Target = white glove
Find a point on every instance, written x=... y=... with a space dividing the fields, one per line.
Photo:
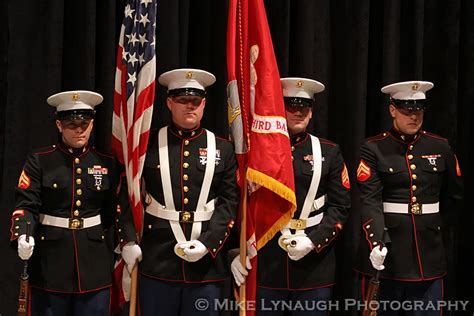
x=239 y=271
x=298 y=246
x=131 y=252
x=25 y=248
x=194 y=250
x=377 y=257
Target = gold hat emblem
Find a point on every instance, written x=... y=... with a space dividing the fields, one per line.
x=415 y=87
x=189 y=75
x=299 y=83
x=75 y=96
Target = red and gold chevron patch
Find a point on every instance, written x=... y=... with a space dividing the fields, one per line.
x=458 y=169
x=24 y=182
x=363 y=171
x=17 y=213
x=345 y=178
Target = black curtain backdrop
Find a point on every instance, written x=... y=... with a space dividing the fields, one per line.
x=353 y=47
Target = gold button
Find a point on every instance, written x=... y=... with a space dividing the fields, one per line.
x=214 y=250
x=435 y=169
x=16 y=227
x=411 y=147
x=185 y=177
x=186 y=142
x=185 y=189
x=149 y=226
x=42 y=237
x=185 y=165
x=374 y=243
x=121 y=240
x=98 y=188
x=157 y=166
x=16 y=234
x=367 y=226
x=384 y=134
x=54 y=146
x=76 y=213
x=413 y=187
x=185 y=201
x=79 y=192
x=390 y=169
x=326 y=240
x=292 y=158
x=180 y=133
x=120 y=230
x=78 y=170
x=77 y=160
x=70 y=150
x=334 y=233
x=225 y=234
x=413 y=167
x=319 y=245
x=78 y=203
x=102 y=236
x=78 y=181
x=17 y=219
x=413 y=199
x=193 y=133
x=414 y=176
x=292 y=148
x=55 y=185
x=220 y=242
x=186 y=153
x=410 y=157
x=371 y=235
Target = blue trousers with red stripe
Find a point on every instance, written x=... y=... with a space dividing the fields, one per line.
x=419 y=298
x=158 y=297
x=286 y=302
x=45 y=303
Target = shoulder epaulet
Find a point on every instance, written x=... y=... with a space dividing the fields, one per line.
x=433 y=136
x=222 y=138
x=45 y=150
x=377 y=137
x=108 y=155
x=327 y=142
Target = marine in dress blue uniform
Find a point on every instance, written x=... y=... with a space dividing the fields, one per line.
x=67 y=192
x=298 y=265
x=191 y=198
x=410 y=183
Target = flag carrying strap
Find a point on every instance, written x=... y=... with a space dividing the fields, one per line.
x=310 y=203
x=167 y=188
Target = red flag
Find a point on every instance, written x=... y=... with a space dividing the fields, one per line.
x=251 y=62
x=133 y=99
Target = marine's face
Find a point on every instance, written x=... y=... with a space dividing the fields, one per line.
x=75 y=133
x=297 y=118
x=407 y=122
x=186 y=111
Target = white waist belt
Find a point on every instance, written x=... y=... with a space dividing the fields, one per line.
x=70 y=223
x=303 y=223
x=160 y=211
x=416 y=208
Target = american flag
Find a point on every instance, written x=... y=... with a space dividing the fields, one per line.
x=133 y=99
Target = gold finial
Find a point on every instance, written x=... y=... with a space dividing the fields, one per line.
x=189 y=75
x=415 y=87
x=299 y=83
x=75 y=96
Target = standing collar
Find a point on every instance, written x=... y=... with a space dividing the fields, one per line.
x=73 y=151
x=185 y=133
x=298 y=138
x=403 y=137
